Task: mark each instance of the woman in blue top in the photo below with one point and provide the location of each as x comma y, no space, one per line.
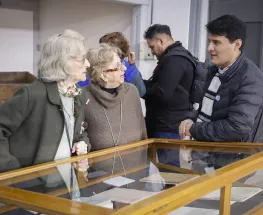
132,75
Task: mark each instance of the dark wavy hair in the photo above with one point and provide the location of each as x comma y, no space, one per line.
119,40
229,26
156,29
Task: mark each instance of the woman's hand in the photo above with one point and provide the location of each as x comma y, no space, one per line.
81,165
80,148
131,58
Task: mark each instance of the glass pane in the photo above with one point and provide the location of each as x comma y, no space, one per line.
13,210
115,180
112,181
247,193
203,160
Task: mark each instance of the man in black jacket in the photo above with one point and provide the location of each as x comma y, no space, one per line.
232,106
167,91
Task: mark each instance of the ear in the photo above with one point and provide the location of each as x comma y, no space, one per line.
104,78
238,44
161,40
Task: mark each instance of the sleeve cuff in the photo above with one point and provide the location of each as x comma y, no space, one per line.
193,130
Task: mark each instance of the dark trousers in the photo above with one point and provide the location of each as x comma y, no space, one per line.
168,156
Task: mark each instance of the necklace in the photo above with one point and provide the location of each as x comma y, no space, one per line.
115,141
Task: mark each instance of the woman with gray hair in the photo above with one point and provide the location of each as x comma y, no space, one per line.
44,121
114,112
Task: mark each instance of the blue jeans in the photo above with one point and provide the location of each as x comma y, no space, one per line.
168,156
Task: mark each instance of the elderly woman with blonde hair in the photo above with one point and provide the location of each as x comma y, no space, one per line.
114,112
43,121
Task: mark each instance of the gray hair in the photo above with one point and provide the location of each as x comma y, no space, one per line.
99,59
57,56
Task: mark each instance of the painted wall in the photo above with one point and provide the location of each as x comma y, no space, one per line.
92,18
16,40
176,14
32,6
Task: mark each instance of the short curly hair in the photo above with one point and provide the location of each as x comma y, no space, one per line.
119,40
99,58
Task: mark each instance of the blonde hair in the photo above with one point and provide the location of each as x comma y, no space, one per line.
57,55
99,59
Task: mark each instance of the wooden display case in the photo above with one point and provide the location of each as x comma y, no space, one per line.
10,82
212,178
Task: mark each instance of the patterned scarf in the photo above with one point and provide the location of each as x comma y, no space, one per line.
71,91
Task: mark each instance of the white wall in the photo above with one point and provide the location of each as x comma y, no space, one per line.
16,40
92,18
33,6
203,32
197,44
176,14
141,21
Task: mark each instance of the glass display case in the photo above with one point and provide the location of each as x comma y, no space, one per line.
196,178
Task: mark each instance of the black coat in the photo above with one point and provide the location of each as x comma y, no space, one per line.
32,124
235,117
167,92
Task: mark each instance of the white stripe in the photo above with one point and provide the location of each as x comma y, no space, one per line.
207,106
215,84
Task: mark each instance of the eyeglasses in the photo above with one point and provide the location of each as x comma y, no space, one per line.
119,68
82,60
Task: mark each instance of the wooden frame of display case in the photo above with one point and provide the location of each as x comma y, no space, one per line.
161,203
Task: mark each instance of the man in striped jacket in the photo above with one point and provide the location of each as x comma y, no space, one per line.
232,105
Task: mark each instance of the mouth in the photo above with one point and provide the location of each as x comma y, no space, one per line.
213,55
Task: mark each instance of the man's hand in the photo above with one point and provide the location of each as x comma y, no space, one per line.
80,148
184,128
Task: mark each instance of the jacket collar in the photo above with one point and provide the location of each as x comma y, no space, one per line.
175,45
53,93
106,99
233,69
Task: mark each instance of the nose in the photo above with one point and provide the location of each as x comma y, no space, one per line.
86,64
210,47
